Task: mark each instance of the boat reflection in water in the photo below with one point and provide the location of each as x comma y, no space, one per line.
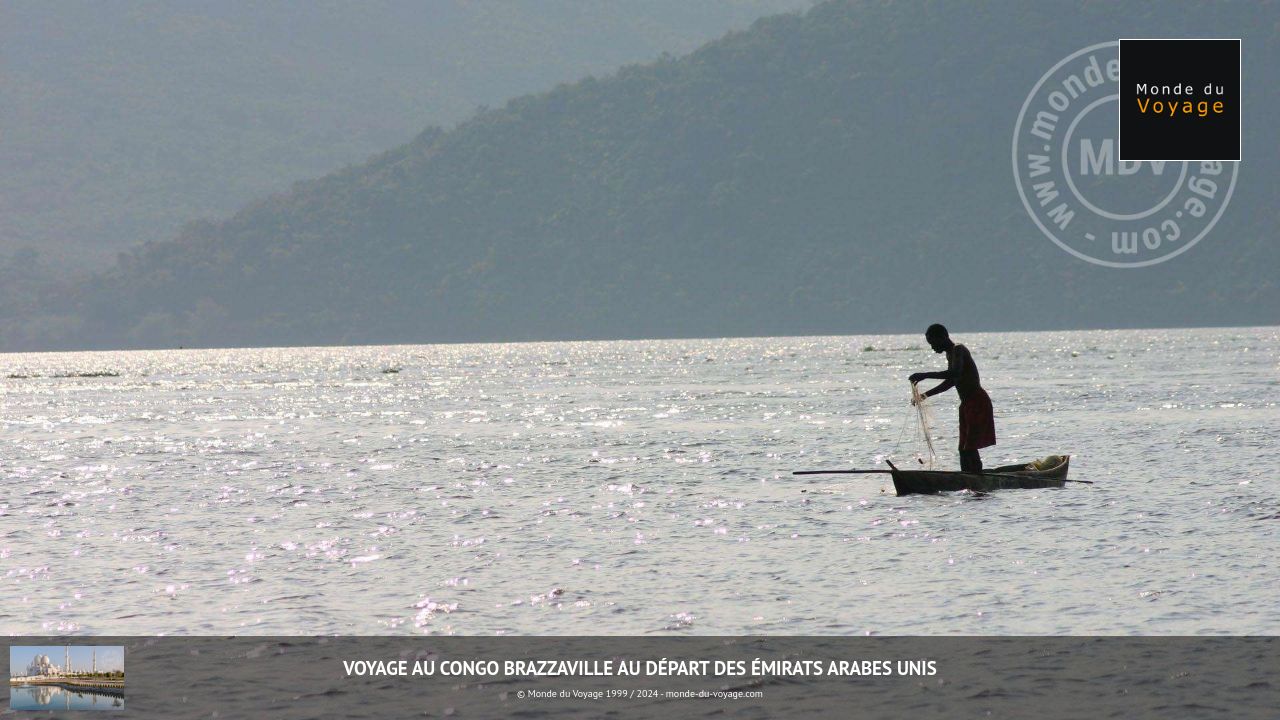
56,697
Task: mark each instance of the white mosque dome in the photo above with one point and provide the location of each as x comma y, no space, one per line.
42,665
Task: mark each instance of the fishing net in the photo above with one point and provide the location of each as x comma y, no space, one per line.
925,454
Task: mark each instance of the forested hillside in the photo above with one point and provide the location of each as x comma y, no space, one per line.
121,121
842,171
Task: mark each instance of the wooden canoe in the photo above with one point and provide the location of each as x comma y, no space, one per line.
909,482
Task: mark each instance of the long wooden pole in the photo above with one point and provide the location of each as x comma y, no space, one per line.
839,472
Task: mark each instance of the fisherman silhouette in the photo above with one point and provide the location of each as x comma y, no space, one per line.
977,419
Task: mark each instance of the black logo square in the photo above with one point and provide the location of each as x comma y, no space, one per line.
1179,99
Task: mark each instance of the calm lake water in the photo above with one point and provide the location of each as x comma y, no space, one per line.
637,487
52,697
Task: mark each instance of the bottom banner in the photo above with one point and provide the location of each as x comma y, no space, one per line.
641,677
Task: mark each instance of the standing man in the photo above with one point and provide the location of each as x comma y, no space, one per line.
977,419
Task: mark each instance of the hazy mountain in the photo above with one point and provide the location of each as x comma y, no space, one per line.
842,171
121,121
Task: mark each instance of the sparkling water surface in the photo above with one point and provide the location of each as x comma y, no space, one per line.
637,487
51,698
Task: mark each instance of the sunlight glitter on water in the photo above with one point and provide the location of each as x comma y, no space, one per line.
647,483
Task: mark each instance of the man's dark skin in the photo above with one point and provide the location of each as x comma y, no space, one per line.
962,374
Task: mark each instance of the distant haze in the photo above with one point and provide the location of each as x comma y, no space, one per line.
844,171
120,122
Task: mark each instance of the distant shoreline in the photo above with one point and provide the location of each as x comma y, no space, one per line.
918,331
70,682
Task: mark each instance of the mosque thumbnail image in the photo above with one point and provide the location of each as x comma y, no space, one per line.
66,677
44,666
